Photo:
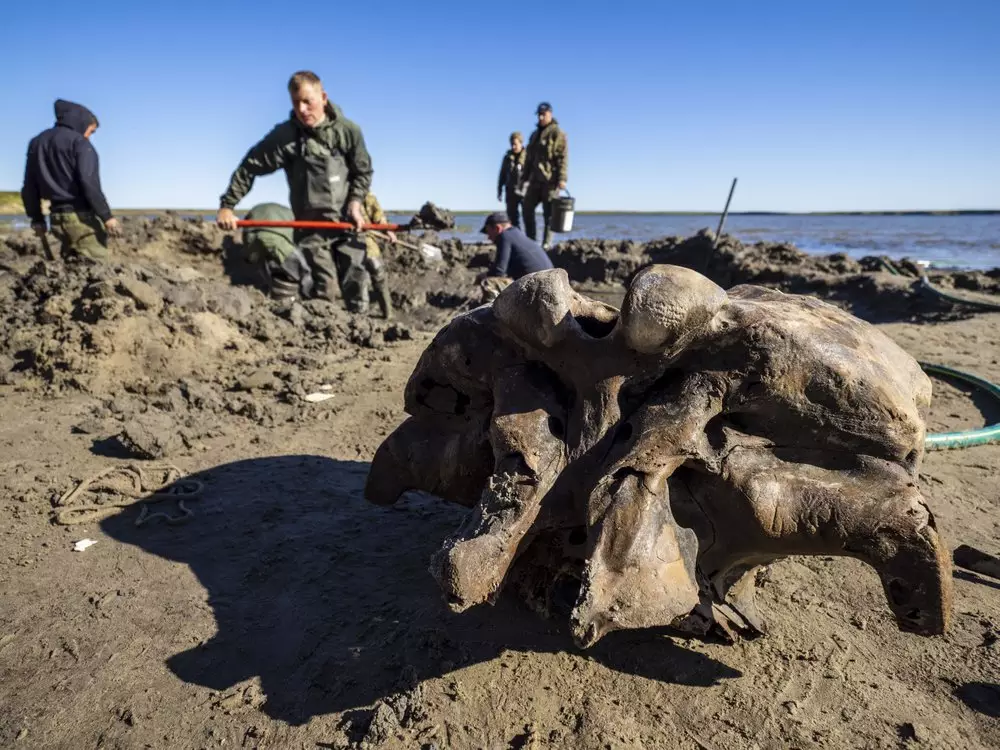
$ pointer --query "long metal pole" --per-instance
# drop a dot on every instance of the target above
(725, 213)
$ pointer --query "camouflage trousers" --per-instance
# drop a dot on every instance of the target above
(81, 234)
(379, 276)
(538, 194)
(491, 287)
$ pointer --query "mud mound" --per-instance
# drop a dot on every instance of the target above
(171, 344)
(178, 304)
(874, 288)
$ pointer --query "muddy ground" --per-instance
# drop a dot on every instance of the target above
(288, 613)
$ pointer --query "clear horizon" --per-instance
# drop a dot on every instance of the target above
(884, 106)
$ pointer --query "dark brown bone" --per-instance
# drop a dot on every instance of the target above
(690, 438)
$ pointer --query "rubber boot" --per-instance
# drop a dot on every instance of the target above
(380, 286)
(547, 240)
(282, 288)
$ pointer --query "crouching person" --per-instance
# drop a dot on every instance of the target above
(283, 266)
(517, 255)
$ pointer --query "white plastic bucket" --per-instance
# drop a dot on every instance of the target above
(562, 213)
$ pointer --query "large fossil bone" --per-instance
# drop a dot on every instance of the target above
(659, 454)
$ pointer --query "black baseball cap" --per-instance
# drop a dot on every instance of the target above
(543, 107)
(494, 219)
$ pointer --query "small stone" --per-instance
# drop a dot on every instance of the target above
(384, 725)
(911, 733)
(150, 437)
(91, 426)
(260, 379)
(397, 332)
(146, 298)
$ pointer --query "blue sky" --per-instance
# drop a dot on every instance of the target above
(814, 106)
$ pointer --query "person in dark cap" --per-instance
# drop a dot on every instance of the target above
(62, 168)
(517, 255)
(545, 171)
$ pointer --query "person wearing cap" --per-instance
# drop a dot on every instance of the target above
(545, 171)
(517, 255)
(511, 177)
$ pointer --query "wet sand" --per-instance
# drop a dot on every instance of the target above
(290, 613)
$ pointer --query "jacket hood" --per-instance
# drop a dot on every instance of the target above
(73, 115)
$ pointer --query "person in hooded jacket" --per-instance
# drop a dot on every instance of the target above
(62, 168)
(329, 172)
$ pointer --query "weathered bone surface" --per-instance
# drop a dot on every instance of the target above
(648, 460)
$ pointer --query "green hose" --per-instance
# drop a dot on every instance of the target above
(980, 303)
(967, 438)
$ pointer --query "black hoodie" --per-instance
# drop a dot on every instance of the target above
(62, 166)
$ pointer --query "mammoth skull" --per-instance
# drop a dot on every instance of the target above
(657, 455)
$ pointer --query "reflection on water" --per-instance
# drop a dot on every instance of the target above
(968, 241)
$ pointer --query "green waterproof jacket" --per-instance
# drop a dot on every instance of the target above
(276, 243)
(327, 166)
(548, 156)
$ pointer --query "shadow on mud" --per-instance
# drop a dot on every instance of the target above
(982, 697)
(328, 598)
(235, 265)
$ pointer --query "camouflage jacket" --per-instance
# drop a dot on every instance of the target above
(511, 171)
(548, 156)
(372, 210)
(327, 166)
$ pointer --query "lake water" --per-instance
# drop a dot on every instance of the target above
(971, 241)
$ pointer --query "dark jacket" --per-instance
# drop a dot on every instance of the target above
(517, 255)
(62, 167)
(327, 166)
(511, 172)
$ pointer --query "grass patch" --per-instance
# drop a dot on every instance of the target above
(10, 202)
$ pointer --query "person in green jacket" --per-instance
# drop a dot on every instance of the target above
(272, 250)
(545, 171)
(511, 176)
(329, 172)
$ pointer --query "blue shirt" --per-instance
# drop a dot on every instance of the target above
(518, 255)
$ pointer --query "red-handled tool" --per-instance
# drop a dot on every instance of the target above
(430, 252)
(341, 225)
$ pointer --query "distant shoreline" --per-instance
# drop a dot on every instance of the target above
(209, 211)
(10, 206)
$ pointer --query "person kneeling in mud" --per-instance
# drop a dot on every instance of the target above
(283, 266)
(373, 262)
(517, 255)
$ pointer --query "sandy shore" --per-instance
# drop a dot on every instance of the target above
(289, 613)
